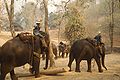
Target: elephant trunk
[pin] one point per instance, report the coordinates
(103, 56)
(103, 64)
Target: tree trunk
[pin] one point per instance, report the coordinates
(10, 16)
(0, 16)
(54, 71)
(111, 25)
(52, 61)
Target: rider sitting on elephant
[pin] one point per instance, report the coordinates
(98, 38)
(36, 30)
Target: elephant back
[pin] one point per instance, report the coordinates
(92, 41)
(25, 37)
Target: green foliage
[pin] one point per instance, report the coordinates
(74, 28)
(54, 20)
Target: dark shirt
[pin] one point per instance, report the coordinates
(36, 31)
(98, 38)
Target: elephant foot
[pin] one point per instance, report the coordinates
(105, 67)
(100, 70)
(77, 71)
(37, 75)
(14, 77)
(70, 70)
(44, 68)
(89, 71)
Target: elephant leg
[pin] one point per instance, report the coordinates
(12, 75)
(98, 64)
(36, 64)
(77, 69)
(66, 54)
(63, 54)
(31, 70)
(47, 58)
(59, 53)
(4, 70)
(70, 62)
(3, 75)
(89, 65)
(56, 57)
(43, 56)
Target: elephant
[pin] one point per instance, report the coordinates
(64, 49)
(86, 49)
(18, 51)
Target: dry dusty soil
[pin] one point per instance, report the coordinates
(112, 62)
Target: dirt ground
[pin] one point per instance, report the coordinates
(112, 62)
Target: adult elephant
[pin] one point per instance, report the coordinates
(19, 51)
(85, 49)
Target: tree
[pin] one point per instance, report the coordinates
(0, 16)
(109, 9)
(53, 20)
(10, 16)
(74, 28)
(111, 24)
(52, 62)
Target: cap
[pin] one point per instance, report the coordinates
(99, 32)
(38, 22)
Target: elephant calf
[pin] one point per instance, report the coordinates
(84, 50)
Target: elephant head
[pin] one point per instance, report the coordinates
(39, 43)
(100, 49)
(101, 52)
